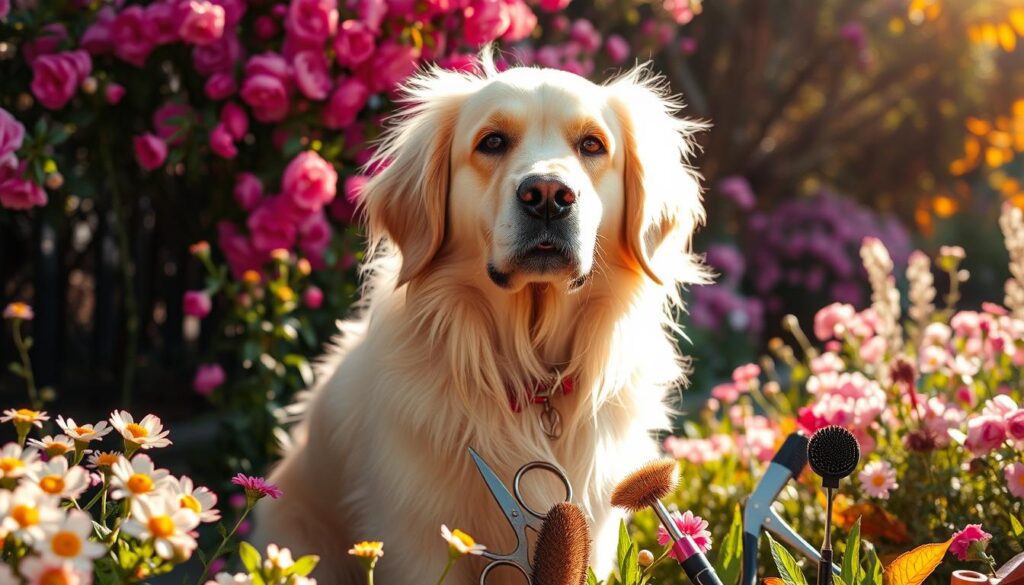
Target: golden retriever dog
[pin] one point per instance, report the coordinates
(528, 228)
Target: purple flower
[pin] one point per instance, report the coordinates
(256, 488)
(738, 190)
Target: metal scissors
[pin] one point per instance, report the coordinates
(519, 515)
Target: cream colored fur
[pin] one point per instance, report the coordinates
(423, 373)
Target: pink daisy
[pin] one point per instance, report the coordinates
(1014, 475)
(695, 526)
(877, 479)
(256, 488)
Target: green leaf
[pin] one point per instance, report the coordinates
(729, 560)
(873, 575)
(250, 557)
(301, 364)
(624, 542)
(629, 567)
(851, 558)
(786, 564)
(591, 577)
(1015, 524)
(838, 580)
(17, 369)
(304, 565)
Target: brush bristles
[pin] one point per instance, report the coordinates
(645, 486)
(563, 547)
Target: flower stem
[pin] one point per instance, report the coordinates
(26, 365)
(223, 542)
(447, 569)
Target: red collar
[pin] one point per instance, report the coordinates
(538, 395)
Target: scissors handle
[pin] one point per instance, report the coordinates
(508, 563)
(542, 465)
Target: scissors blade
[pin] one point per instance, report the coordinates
(505, 500)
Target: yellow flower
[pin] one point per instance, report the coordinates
(461, 543)
(370, 549)
(251, 277)
(285, 293)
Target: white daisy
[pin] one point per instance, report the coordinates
(166, 523)
(27, 512)
(104, 460)
(229, 579)
(83, 433)
(56, 479)
(461, 542)
(200, 500)
(69, 541)
(278, 558)
(16, 462)
(40, 571)
(24, 416)
(147, 433)
(53, 446)
(138, 478)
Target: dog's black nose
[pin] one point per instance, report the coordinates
(545, 197)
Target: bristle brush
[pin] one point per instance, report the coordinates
(563, 547)
(644, 488)
(833, 453)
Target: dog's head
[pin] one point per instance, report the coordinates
(537, 176)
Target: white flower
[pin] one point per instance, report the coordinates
(229, 579)
(198, 499)
(278, 558)
(166, 523)
(104, 460)
(27, 512)
(24, 416)
(16, 462)
(147, 433)
(69, 541)
(56, 479)
(138, 478)
(461, 542)
(53, 446)
(877, 479)
(83, 433)
(40, 571)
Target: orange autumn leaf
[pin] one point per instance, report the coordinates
(772, 581)
(913, 567)
(876, 522)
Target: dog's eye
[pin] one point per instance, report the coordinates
(493, 143)
(592, 146)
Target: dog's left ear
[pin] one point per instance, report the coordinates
(663, 201)
(406, 202)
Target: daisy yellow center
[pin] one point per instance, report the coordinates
(466, 540)
(53, 576)
(19, 310)
(26, 414)
(66, 544)
(106, 459)
(136, 430)
(161, 526)
(55, 449)
(140, 483)
(878, 480)
(25, 516)
(52, 484)
(368, 549)
(83, 430)
(9, 464)
(190, 502)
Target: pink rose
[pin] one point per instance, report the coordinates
(313, 297)
(985, 433)
(55, 78)
(584, 33)
(18, 193)
(1015, 425)
(312, 21)
(5, 8)
(309, 181)
(617, 48)
(97, 38)
(49, 39)
(12, 134)
(312, 74)
(354, 43)
(130, 38)
(150, 150)
(372, 12)
(238, 250)
(220, 86)
(267, 87)
(234, 118)
(272, 226)
(234, 10)
(1014, 474)
(203, 23)
(265, 28)
(113, 93)
(222, 143)
(553, 5)
(163, 20)
(208, 378)
(315, 235)
(344, 208)
(172, 122)
(963, 540)
(197, 303)
(218, 56)
(522, 21)
(346, 102)
(248, 191)
(389, 66)
(485, 20)
(831, 320)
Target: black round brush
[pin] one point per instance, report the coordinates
(833, 453)
(563, 547)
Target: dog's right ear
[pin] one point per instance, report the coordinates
(406, 202)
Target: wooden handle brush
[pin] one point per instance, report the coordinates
(645, 488)
(563, 547)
